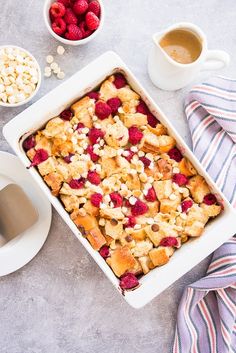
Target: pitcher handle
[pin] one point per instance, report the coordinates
(215, 60)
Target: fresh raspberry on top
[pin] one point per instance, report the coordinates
(152, 120)
(114, 104)
(145, 161)
(70, 17)
(66, 115)
(80, 126)
(59, 26)
(119, 81)
(67, 159)
(40, 156)
(94, 95)
(209, 199)
(128, 281)
(84, 29)
(96, 199)
(129, 153)
(102, 110)
(57, 9)
(94, 157)
(180, 179)
(66, 3)
(29, 143)
(73, 33)
(135, 135)
(77, 183)
(185, 205)
(142, 108)
(117, 199)
(151, 195)
(131, 222)
(94, 134)
(94, 7)
(92, 21)
(94, 177)
(169, 241)
(139, 208)
(80, 7)
(104, 251)
(174, 153)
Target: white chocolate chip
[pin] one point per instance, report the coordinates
(60, 50)
(49, 59)
(54, 65)
(132, 200)
(61, 75)
(172, 197)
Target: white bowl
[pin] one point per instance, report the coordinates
(47, 21)
(190, 254)
(12, 105)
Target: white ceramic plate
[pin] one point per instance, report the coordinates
(19, 251)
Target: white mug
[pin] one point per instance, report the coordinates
(171, 75)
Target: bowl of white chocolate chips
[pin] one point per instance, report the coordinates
(20, 76)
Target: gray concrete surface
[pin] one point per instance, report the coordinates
(61, 302)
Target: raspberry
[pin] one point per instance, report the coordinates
(128, 281)
(94, 7)
(152, 120)
(59, 26)
(135, 135)
(185, 205)
(142, 108)
(84, 29)
(119, 81)
(130, 155)
(29, 143)
(93, 95)
(180, 179)
(77, 183)
(92, 21)
(114, 104)
(96, 199)
(67, 159)
(57, 9)
(102, 110)
(209, 199)
(80, 126)
(94, 134)
(116, 199)
(40, 156)
(104, 251)
(127, 203)
(151, 195)
(66, 3)
(66, 115)
(70, 17)
(80, 7)
(169, 241)
(145, 161)
(175, 154)
(131, 222)
(93, 155)
(139, 208)
(73, 33)
(94, 178)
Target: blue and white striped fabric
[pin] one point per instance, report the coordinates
(206, 320)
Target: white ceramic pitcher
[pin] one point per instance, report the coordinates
(171, 75)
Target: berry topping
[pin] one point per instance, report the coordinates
(80, 7)
(94, 177)
(114, 104)
(67, 159)
(116, 199)
(94, 7)
(94, 134)
(209, 199)
(145, 161)
(131, 222)
(151, 195)
(139, 208)
(128, 281)
(93, 95)
(84, 29)
(130, 154)
(70, 17)
(73, 33)
(40, 156)
(180, 179)
(142, 108)
(57, 9)
(96, 199)
(135, 135)
(152, 120)
(93, 155)
(80, 126)
(119, 81)
(102, 110)
(185, 205)
(77, 183)
(175, 154)
(104, 251)
(169, 241)
(66, 114)
(59, 26)
(29, 143)
(92, 21)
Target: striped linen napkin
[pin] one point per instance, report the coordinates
(206, 321)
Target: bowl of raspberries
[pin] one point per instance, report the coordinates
(74, 22)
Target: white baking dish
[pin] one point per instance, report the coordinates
(190, 254)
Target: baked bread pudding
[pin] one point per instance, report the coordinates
(122, 179)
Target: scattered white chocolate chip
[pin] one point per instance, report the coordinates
(137, 226)
(60, 50)
(61, 75)
(172, 197)
(54, 65)
(49, 59)
(175, 170)
(183, 215)
(132, 200)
